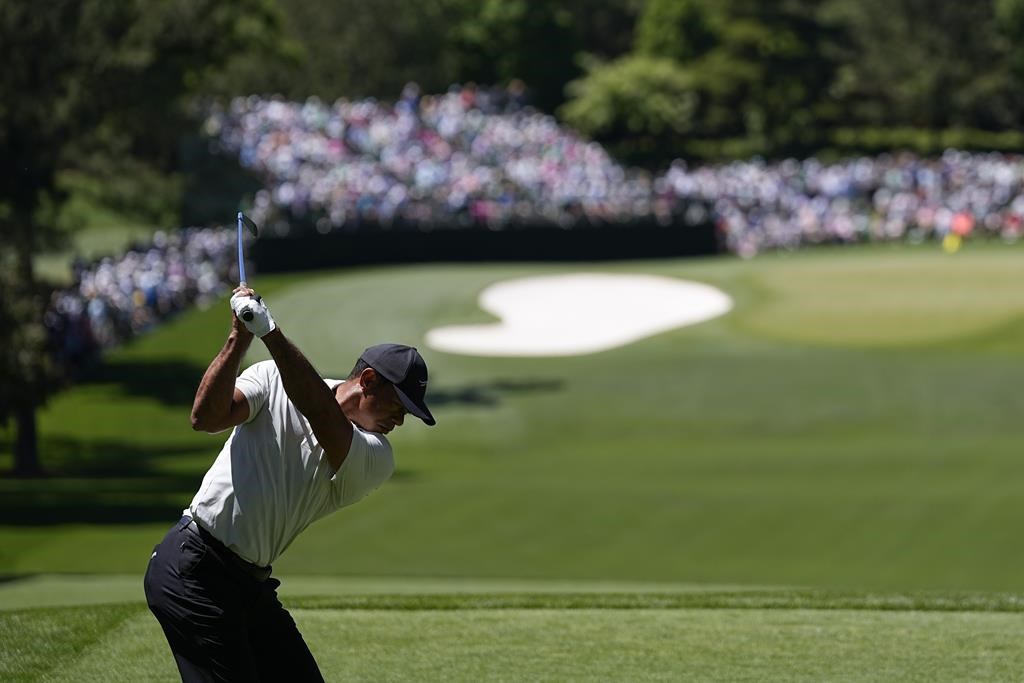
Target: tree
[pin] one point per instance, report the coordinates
(79, 74)
(641, 106)
(675, 29)
(496, 41)
(927, 65)
(604, 27)
(758, 76)
(648, 104)
(346, 48)
(781, 50)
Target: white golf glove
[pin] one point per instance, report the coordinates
(260, 322)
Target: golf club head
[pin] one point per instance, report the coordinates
(251, 225)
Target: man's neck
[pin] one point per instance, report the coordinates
(347, 394)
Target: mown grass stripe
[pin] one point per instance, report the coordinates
(791, 600)
(34, 642)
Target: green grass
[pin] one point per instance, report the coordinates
(821, 485)
(753, 449)
(558, 637)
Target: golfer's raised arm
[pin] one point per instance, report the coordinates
(218, 405)
(311, 395)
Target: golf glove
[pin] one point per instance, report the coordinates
(260, 322)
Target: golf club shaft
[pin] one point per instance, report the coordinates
(241, 255)
(246, 314)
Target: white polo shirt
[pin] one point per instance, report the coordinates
(272, 479)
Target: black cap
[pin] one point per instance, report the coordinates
(404, 367)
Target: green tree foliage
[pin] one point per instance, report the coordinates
(675, 29)
(604, 28)
(754, 73)
(533, 40)
(773, 56)
(797, 76)
(1009, 22)
(345, 48)
(637, 104)
(86, 80)
(929, 65)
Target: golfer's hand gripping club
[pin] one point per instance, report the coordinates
(253, 312)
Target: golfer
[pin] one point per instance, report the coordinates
(301, 447)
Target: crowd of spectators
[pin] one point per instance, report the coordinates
(477, 157)
(469, 157)
(480, 158)
(116, 298)
(890, 197)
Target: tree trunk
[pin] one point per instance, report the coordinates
(26, 453)
(26, 450)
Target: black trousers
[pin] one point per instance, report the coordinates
(221, 623)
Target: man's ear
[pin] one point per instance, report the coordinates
(368, 379)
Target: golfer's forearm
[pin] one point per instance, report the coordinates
(304, 386)
(212, 404)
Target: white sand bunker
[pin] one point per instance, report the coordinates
(568, 315)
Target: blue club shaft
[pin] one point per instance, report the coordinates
(241, 257)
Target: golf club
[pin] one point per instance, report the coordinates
(244, 220)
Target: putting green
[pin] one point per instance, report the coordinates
(891, 300)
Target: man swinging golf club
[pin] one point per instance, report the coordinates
(301, 447)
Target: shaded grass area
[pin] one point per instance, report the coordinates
(564, 637)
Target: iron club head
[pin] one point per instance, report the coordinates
(251, 225)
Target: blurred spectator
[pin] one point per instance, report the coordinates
(476, 157)
(117, 298)
(473, 156)
(891, 197)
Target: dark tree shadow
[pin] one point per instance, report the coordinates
(111, 482)
(102, 482)
(105, 459)
(105, 482)
(172, 382)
